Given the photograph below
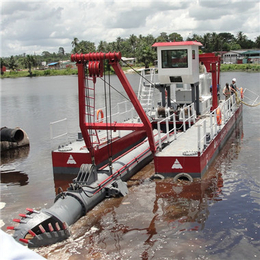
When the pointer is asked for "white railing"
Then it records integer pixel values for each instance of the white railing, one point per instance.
(207, 130)
(59, 133)
(165, 137)
(188, 114)
(161, 136)
(144, 79)
(146, 90)
(59, 128)
(123, 110)
(202, 136)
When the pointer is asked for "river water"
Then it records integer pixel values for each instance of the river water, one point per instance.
(217, 217)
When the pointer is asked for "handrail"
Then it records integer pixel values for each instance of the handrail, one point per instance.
(146, 99)
(210, 130)
(191, 115)
(121, 109)
(168, 131)
(57, 122)
(191, 118)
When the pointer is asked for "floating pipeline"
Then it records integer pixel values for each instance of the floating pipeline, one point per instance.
(11, 135)
(91, 186)
(13, 138)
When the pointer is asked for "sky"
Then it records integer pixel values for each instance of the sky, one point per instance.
(34, 26)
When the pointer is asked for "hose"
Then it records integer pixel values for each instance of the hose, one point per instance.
(238, 101)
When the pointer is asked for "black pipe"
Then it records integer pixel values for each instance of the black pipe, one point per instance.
(11, 135)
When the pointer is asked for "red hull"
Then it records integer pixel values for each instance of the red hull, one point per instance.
(197, 165)
(70, 162)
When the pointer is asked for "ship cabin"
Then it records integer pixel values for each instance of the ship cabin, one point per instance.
(183, 79)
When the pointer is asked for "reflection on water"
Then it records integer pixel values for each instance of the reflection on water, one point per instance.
(13, 177)
(12, 155)
(62, 181)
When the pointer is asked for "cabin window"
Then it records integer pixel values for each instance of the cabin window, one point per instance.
(174, 59)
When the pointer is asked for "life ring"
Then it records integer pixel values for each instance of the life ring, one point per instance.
(241, 93)
(102, 115)
(219, 118)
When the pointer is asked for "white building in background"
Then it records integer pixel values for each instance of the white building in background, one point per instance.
(129, 61)
(231, 57)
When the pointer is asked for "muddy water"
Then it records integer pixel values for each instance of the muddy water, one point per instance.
(213, 218)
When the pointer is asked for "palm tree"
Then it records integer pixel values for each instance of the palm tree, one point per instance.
(74, 44)
(30, 61)
(242, 39)
(133, 43)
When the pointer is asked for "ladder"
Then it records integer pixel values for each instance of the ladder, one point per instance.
(90, 112)
(146, 90)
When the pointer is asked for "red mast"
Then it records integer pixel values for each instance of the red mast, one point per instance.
(212, 64)
(95, 69)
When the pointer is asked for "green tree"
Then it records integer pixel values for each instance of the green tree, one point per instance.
(133, 41)
(242, 40)
(206, 41)
(146, 54)
(12, 64)
(84, 47)
(226, 47)
(235, 46)
(102, 47)
(74, 44)
(29, 62)
(175, 37)
(163, 37)
(257, 42)
(61, 51)
(227, 37)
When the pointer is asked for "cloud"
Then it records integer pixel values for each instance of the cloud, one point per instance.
(30, 26)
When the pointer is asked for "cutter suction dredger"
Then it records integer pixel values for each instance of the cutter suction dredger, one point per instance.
(91, 186)
(93, 183)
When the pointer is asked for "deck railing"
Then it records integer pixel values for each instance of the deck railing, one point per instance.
(165, 137)
(59, 133)
(188, 114)
(207, 130)
(122, 111)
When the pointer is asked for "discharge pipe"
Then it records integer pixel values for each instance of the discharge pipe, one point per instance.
(11, 135)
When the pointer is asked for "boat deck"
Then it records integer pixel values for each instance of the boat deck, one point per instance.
(186, 143)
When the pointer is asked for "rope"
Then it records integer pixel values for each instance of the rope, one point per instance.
(238, 101)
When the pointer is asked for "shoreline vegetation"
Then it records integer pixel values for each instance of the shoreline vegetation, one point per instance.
(62, 72)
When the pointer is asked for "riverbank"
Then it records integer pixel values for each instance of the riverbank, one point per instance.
(69, 71)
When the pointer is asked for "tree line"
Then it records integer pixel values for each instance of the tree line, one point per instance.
(139, 47)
